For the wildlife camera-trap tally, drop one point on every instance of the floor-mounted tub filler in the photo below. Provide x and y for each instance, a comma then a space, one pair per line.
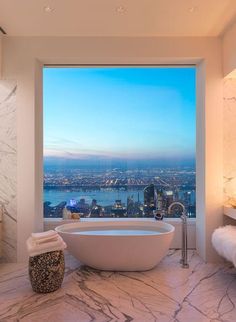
118, 245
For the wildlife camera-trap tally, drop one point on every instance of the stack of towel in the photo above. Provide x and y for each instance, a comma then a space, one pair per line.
224, 241
48, 241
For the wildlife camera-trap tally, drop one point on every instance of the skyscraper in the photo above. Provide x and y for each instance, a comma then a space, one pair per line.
149, 200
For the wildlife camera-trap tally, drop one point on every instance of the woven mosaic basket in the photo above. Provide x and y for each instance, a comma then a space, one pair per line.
46, 271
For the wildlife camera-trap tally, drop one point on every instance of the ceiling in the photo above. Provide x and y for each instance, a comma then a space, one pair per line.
116, 17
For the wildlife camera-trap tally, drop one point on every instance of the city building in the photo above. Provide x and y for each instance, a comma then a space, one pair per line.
118, 209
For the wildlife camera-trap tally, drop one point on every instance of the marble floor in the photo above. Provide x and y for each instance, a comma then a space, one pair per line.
204, 292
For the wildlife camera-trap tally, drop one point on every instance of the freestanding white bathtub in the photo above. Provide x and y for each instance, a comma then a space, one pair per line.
118, 245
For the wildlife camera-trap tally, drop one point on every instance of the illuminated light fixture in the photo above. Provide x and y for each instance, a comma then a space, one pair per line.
231, 74
192, 9
48, 9
121, 10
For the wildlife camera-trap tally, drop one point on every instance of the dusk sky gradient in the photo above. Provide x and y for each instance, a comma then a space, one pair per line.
119, 112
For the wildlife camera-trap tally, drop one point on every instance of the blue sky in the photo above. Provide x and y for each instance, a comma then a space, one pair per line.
119, 112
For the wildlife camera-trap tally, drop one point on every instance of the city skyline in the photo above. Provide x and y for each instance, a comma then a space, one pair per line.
116, 192
125, 113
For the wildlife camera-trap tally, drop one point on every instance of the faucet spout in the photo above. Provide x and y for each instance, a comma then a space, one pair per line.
184, 216
177, 203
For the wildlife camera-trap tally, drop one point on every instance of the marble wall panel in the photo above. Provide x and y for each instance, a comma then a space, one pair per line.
8, 170
229, 138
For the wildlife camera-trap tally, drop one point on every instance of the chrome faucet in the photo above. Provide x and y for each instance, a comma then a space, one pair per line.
184, 216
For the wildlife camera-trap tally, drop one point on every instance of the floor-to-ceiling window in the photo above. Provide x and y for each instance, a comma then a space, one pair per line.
119, 141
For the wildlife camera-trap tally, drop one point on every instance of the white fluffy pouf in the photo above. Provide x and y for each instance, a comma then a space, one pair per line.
224, 241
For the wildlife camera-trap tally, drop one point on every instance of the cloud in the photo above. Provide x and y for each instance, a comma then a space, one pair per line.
84, 154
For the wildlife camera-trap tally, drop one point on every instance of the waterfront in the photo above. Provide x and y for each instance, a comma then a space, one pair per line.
56, 199
104, 197
117, 191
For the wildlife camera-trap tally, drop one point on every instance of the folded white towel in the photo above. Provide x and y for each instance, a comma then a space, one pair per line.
45, 240
40, 248
44, 237
224, 241
53, 243
45, 234
52, 249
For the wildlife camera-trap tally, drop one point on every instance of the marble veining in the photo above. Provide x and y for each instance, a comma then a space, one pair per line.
204, 292
229, 138
8, 169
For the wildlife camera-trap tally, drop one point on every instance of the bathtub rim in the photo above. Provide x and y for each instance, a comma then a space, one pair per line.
61, 229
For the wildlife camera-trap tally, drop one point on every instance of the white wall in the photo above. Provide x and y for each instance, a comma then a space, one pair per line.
229, 50
0, 211
22, 60
0, 56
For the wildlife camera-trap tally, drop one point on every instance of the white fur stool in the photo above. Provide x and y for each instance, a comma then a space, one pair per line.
224, 241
